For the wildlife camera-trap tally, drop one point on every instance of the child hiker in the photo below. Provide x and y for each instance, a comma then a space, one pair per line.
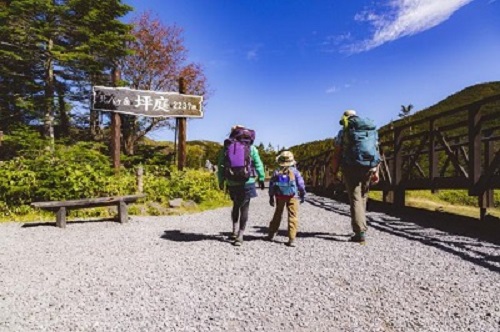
284, 186
239, 165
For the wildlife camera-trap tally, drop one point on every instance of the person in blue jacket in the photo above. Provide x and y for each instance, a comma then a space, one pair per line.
285, 186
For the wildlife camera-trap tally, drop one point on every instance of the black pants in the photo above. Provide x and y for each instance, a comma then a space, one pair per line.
241, 195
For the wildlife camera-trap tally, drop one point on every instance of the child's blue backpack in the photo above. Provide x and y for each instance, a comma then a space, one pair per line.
360, 143
284, 182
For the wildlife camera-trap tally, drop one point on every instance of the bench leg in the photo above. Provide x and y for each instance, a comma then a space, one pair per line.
122, 212
61, 217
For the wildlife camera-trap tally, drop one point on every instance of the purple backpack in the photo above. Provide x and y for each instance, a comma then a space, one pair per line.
238, 164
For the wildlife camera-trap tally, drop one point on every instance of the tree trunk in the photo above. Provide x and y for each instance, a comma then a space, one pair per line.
49, 97
63, 113
94, 124
129, 145
129, 128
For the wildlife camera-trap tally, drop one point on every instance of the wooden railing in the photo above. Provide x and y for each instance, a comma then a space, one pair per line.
456, 149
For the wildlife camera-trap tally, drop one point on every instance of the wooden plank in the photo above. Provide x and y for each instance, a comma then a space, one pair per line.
475, 148
88, 202
452, 156
412, 161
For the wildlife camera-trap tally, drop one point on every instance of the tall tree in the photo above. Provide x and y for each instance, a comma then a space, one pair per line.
56, 48
157, 61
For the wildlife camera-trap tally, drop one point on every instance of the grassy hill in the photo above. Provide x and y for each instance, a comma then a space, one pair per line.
466, 96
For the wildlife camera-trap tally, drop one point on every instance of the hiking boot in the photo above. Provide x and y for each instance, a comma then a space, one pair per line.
358, 238
238, 241
291, 243
269, 238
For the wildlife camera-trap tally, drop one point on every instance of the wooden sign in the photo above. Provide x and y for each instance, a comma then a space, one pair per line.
146, 103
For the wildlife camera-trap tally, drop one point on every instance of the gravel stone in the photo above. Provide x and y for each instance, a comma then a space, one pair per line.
181, 273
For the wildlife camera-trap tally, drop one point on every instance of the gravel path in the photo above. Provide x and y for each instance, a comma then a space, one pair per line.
181, 274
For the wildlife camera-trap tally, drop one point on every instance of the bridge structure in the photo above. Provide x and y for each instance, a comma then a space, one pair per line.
455, 149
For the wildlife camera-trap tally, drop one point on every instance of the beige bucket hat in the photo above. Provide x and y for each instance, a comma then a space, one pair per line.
285, 159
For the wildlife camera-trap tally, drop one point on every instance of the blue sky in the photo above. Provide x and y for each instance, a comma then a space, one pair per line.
288, 69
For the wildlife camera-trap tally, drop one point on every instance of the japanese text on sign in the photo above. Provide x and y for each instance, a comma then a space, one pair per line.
146, 103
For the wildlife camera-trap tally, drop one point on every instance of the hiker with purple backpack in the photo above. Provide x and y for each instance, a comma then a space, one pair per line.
239, 165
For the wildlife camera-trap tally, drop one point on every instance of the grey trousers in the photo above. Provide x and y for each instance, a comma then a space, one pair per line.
357, 181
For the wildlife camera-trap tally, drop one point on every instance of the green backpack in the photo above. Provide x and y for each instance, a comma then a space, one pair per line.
360, 142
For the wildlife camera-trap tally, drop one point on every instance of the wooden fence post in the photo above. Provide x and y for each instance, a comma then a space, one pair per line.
399, 193
474, 150
486, 199
433, 156
140, 179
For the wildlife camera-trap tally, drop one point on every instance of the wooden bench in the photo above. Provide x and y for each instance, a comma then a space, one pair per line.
60, 207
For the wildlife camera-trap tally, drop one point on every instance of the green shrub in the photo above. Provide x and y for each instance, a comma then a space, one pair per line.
82, 171
196, 185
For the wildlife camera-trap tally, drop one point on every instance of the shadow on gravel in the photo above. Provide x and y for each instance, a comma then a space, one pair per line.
302, 234
468, 238
68, 222
178, 236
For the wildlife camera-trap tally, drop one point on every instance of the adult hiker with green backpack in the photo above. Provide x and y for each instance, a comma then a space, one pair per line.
356, 152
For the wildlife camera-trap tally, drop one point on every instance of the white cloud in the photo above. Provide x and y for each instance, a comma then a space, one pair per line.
405, 18
253, 53
331, 89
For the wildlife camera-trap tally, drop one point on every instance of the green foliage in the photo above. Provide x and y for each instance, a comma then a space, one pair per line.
461, 197
267, 155
71, 172
209, 150
466, 96
82, 171
51, 48
195, 185
311, 149
22, 141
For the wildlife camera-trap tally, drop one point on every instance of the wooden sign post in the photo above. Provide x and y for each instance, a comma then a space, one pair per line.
147, 103
182, 128
116, 128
